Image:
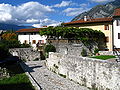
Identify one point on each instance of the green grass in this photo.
(18, 80)
(104, 57)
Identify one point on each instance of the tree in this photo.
(10, 40)
(84, 34)
(9, 36)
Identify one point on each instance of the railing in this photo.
(117, 53)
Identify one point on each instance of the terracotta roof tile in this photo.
(108, 19)
(29, 30)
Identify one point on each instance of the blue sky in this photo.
(43, 12)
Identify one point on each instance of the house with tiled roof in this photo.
(31, 36)
(110, 26)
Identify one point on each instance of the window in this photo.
(41, 41)
(33, 41)
(106, 27)
(25, 42)
(118, 35)
(118, 22)
(106, 39)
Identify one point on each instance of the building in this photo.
(110, 26)
(30, 36)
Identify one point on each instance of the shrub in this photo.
(96, 51)
(84, 52)
(25, 45)
(3, 51)
(50, 48)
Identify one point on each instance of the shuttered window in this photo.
(25, 42)
(118, 35)
(106, 27)
(33, 41)
(118, 22)
(106, 39)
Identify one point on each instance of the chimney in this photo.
(85, 18)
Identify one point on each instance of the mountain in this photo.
(100, 11)
(12, 27)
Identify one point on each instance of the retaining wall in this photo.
(27, 54)
(92, 73)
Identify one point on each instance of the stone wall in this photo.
(92, 73)
(72, 47)
(106, 52)
(27, 54)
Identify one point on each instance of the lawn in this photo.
(18, 80)
(103, 57)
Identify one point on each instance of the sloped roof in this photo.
(96, 20)
(29, 30)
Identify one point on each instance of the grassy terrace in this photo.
(104, 57)
(17, 80)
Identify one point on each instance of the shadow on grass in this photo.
(22, 86)
(18, 80)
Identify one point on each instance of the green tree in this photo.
(86, 35)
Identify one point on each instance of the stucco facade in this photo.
(108, 32)
(116, 31)
(29, 39)
(31, 36)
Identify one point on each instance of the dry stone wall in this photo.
(92, 73)
(72, 47)
(27, 54)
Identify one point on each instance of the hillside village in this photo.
(77, 55)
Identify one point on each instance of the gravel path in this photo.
(49, 80)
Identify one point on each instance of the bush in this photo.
(96, 51)
(25, 45)
(84, 52)
(11, 43)
(50, 48)
(3, 51)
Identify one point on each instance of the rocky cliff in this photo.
(100, 11)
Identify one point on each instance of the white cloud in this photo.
(37, 25)
(30, 12)
(84, 5)
(74, 11)
(102, 1)
(5, 16)
(46, 22)
(63, 4)
(32, 20)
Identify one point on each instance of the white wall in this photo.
(30, 38)
(116, 30)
